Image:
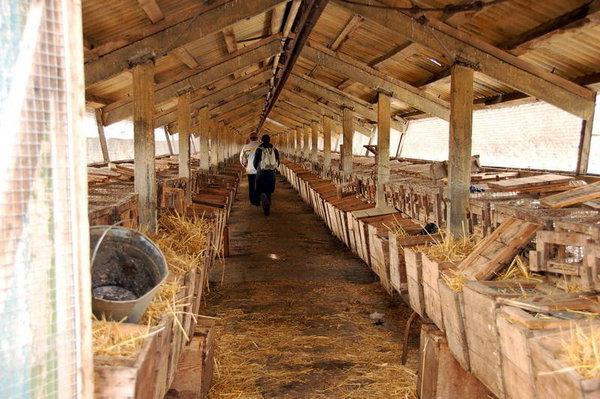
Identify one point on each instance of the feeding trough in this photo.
(127, 270)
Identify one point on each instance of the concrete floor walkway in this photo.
(293, 306)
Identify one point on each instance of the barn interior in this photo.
(434, 230)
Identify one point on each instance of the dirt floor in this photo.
(294, 310)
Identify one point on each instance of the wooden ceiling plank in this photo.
(490, 60)
(352, 25)
(370, 77)
(231, 45)
(161, 43)
(152, 10)
(185, 57)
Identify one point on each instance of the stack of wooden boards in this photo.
(183, 345)
(497, 334)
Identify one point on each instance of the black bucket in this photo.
(127, 270)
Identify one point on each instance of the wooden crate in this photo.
(414, 279)
(195, 368)
(397, 245)
(116, 377)
(431, 275)
(564, 253)
(480, 303)
(453, 315)
(554, 378)
(440, 375)
(516, 327)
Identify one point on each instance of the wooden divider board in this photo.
(497, 249)
(527, 182)
(571, 197)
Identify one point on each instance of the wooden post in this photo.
(168, 138)
(326, 143)
(143, 139)
(383, 147)
(214, 144)
(348, 126)
(297, 141)
(101, 136)
(585, 142)
(184, 121)
(203, 121)
(459, 158)
(315, 142)
(306, 148)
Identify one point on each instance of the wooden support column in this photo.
(203, 121)
(348, 128)
(326, 143)
(143, 139)
(314, 154)
(459, 158)
(214, 138)
(585, 143)
(184, 121)
(168, 139)
(383, 147)
(297, 142)
(101, 136)
(306, 147)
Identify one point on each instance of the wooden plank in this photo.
(383, 146)
(530, 181)
(326, 143)
(101, 136)
(160, 43)
(348, 29)
(143, 138)
(185, 57)
(459, 158)
(572, 197)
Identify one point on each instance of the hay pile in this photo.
(111, 338)
(183, 240)
(582, 351)
(308, 352)
(449, 248)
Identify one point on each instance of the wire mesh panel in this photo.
(41, 260)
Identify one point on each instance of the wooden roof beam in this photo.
(247, 56)
(231, 45)
(237, 88)
(370, 77)
(163, 42)
(490, 60)
(240, 101)
(307, 20)
(342, 99)
(152, 10)
(185, 57)
(574, 19)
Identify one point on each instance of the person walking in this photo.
(247, 161)
(266, 161)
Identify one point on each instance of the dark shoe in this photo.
(265, 203)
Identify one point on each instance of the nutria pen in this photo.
(434, 230)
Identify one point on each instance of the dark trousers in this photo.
(265, 182)
(253, 195)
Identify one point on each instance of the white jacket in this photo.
(247, 156)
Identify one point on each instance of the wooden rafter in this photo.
(163, 42)
(202, 77)
(231, 45)
(185, 57)
(490, 60)
(152, 10)
(368, 76)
